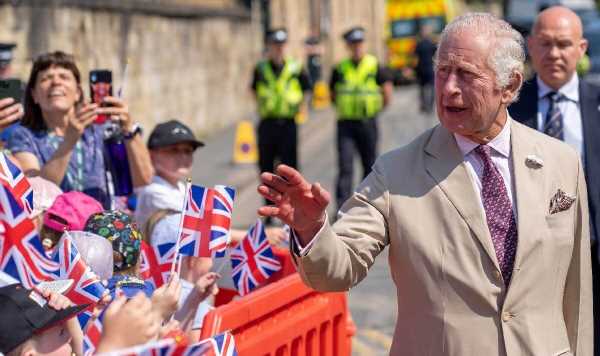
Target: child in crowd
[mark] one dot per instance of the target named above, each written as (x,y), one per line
(43,323)
(44,194)
(69,211)
(171,145)
(162,227)
(125,237)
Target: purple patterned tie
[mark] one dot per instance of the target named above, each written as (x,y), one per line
(499,213)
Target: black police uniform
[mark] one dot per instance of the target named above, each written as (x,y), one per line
(361,135)
(278,137)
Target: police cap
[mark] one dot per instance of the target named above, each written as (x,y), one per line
(354,35)
(277,35)
(312,41)
(6,53)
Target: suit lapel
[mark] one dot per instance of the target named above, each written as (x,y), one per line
(528,182)
(444,163)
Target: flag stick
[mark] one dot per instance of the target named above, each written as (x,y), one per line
(218,270)
(121,91)
(188,184)
(179,263)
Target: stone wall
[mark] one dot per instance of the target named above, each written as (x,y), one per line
(330,18)
(192,66)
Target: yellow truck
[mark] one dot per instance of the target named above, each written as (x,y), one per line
(404,19)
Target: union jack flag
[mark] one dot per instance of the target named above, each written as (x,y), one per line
(156,263)
(195,231)
(221,219)
(168,347)
(225,344)
(13,178)
(91,336)
(21,253)
(252,260)
(87,287)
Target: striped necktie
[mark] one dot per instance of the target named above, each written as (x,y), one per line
(554,119)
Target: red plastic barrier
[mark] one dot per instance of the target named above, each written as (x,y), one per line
(285,318)
(287,265)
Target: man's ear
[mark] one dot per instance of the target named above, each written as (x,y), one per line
(510,91)
(583,46)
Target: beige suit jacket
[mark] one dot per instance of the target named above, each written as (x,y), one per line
(420,201)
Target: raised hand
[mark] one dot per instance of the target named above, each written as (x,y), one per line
(165,299)
(128,323)
(85,115)
(10,111)
(118,110)
(298,203)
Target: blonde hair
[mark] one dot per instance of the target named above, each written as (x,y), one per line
(153,220)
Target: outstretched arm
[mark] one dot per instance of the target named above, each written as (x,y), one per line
(339,256)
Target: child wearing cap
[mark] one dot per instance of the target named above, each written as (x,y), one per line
(172,145)
(35,322)
(43,323)
(70,211)
(118,228)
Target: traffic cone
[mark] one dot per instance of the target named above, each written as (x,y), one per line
(321,98)
(302,115)
(244,150)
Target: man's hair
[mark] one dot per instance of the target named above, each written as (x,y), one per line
(507,55)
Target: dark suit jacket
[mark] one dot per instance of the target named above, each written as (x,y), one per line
(525,111)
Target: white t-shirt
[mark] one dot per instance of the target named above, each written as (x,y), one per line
(158,195)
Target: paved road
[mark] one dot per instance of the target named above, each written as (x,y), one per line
(373,302)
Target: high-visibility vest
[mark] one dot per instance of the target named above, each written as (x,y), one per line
(279,96)
(357,95)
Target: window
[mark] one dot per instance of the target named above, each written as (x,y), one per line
(404,28)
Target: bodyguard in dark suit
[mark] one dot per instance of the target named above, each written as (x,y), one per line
(557,102)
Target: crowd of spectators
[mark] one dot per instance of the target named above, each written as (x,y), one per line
(57,142)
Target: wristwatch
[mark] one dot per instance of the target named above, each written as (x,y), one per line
(136,129)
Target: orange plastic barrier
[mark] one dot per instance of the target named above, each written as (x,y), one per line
(285,318)
(287,268)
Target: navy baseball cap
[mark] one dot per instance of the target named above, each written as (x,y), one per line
(355,35)
(6,53)
(170,133)
(277,35)
(25,313)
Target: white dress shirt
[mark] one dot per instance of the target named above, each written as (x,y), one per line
(501,157)
(569,108)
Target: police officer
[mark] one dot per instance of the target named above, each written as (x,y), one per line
(279,85)
(11,109)
(360,89)
(6,57)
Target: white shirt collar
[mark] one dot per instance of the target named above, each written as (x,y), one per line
(569,90)
(500,143)
(160,180)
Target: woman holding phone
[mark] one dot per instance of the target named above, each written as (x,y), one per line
(57,138)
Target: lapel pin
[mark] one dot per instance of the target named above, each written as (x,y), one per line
(533,161)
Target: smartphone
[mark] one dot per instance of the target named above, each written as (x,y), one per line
(11,88)
(100,86)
